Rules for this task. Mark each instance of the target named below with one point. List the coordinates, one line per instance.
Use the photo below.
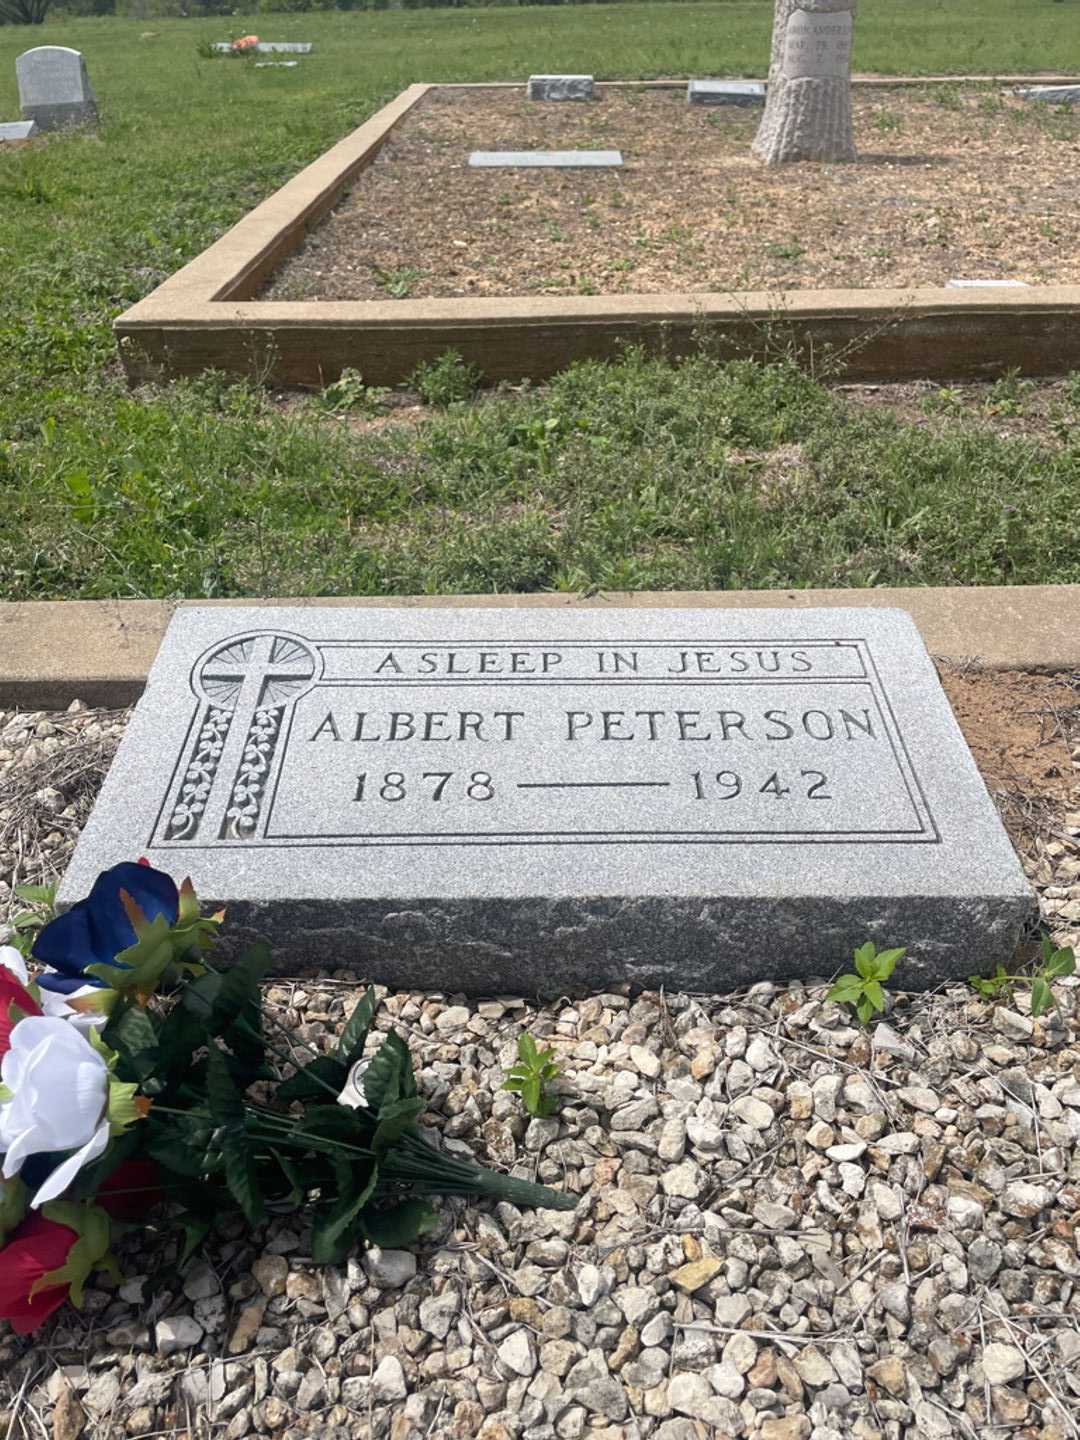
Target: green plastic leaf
(332, 1235)
(394, 1120)
(322, 1079)
(865, 1009)
(514, 1083)
(195, 1228)
(14, 1201)
(402, 1225)
(133, 1035)
(389, 1076)
(223, 1098)
(350, 1047)
(1042, 997)
(526, 1048)
(241, 1176)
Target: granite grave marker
(493, 800)
(544, 159)
(560, 87)
(17, 132)
(54, 88)
(725, 92)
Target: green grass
(616, 476)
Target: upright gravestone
(808, 106)
(508, 799)
(54, 88)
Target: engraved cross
(253, 673)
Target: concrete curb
(100, 651)
(207, 316)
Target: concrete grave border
(100, 651)
(205, 316)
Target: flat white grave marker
(544, 159)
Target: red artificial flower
(12, 992)
(36, 1248)
(132, 1189)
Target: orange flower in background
(246, 42)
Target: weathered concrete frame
(205, 315)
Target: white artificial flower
(62, 1007)
(353, 1095)
(12, 960)
(59, 1088)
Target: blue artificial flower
(95, 930)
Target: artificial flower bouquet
(136, 1076)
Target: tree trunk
(808, 104)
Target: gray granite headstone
(1052, 94)
(726, 92)
(544, 159)
(54, 88)
(494, 800)
(15, 131)
(560, 87)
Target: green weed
(531, 1076)
(447, 380)
(863, 987)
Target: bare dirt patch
(964, 182)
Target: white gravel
(789, 1229)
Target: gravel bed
(790, 1227)
(951, 182)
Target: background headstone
(808, 108)
(523, 800)
(16, 132)
(267, 47)
(544, 159)
(1052, 94)
(986, 284)
(560, 87)
(54, 88)
(725, 92)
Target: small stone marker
(54, 88)
(986, 284)
(495, 800)
(725, 92)
(549, 159)
(1051, 94)
(276, 64)
(560, 87)
(17, 132)
(268, 47)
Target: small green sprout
(530, 1076)
(863, 988)
(1055, 963)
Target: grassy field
(630, 475)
